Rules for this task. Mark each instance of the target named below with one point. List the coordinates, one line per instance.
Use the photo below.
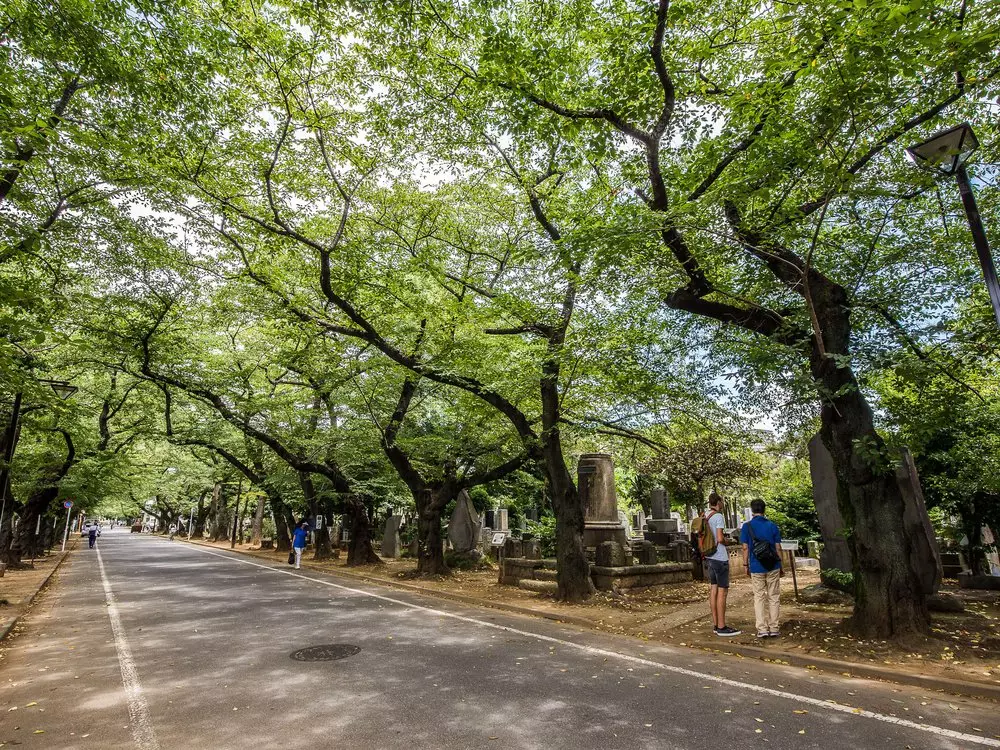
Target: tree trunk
(219, 514)
(889, 596)
(322, 550)
(359, 549)
(573, 569)
(7, 534)
(282, 535)
(198, 532)
(258, 524)
(430, 544)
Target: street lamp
(61, 388)
(946, 153)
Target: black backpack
(763, 551)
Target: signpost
(68, 505)
(790, 545)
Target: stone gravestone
(925, 554)
(646, 552)
(596, 482)
(390, 538)
(610, 554)
(640, 521)
(532, 549)
(836, 553)
(660, 503)
(464, 527)
(512, 548)
(489, 522)
(501, 520)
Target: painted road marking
(804, 699)
(138, 710)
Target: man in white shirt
(718, 568)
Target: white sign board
(498, 539)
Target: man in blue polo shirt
(764, 575)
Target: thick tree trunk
(198, 532)
(219, 514)
(322, 550)
(7, 534)
(282, 533)
(360, 550)
(258, 524)
(573, 574)
(889, 596)
(430, 544)
(573, 569)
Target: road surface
(145, 643)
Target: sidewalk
(18, 588)
(963, 658)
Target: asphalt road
(178, 646)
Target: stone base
(594, 534)
(515, 569)
(267, 544)
(640, 576)
(969, 581)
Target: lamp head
(61, 388)
(946, 151)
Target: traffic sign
(68, 504)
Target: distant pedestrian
(92, 535)
(299, 542)
(761, 540)
(711, 541)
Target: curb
(26, 603)
(783, 658)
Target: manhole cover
(329, 652)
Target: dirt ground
(962, 645)
(17, 586)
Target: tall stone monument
(390, 538)
(836, 553)
(596, 480)
(660, 503)
(464, 527)
(926, 555)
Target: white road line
(138, 710)
(803, 699)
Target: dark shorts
(718, 573)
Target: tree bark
(360, 550)
(322, 548)
(889, 594)
(258, 524)
(198, 530)
(430, 544)
(573, 569)
(282, 533)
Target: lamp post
(946, 153)
(63, 390)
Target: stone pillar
(596, 481)
(925, 554)
(390, 538)
(659, 502)
(836, 553)
(501, 520)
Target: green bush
(544, 530)
(838, 579)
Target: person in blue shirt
(766, 580)
(299, 542)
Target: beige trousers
(766, 599)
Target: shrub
(838, 579)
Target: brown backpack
(707, 542)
